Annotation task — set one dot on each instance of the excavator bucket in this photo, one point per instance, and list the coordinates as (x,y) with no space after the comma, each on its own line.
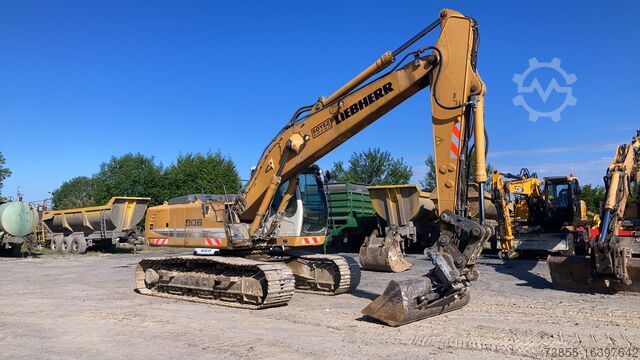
(406,301)
(633,268)
(573,273)
(383,254)
(570,273)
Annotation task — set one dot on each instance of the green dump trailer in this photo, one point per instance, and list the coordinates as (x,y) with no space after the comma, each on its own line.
(351,216)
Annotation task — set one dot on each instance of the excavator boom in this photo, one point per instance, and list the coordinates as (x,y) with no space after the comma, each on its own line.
(457,94)
(457,107)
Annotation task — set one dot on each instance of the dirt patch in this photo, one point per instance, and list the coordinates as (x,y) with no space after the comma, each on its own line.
(84,307)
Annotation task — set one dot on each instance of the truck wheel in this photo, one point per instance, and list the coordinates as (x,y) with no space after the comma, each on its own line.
(65,245)
(56,243)
(78,244)
(82,245)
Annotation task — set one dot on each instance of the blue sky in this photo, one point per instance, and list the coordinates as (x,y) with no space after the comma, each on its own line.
(81,81)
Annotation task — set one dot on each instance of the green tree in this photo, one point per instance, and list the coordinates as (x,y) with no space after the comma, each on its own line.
(75,193)
(210,173)
(128,175)
(373,167)
(429,181)
(4,173)
(634,197)
(593,196)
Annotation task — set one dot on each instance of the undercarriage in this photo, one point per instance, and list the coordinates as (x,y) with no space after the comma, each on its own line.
(258,281)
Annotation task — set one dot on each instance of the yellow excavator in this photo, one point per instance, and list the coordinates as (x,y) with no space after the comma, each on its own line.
(261,261)
(547,216)
(503,186)
(614,261)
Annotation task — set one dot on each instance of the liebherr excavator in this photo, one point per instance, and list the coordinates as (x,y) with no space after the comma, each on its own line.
(259,267)
(614,262)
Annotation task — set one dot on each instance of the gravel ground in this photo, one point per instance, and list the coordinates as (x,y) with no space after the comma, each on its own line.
(84,307)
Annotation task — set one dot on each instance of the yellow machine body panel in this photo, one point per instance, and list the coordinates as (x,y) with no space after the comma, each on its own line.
(184,225)
(187,225)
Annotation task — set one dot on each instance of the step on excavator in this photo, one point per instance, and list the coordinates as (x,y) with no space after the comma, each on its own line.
(262,259)
(535,215)
(614,261)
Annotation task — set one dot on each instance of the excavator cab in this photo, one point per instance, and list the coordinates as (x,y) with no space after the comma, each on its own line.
(307,212)
(563,206)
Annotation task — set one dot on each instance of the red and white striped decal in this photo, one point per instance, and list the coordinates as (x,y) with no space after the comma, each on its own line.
(214,242)
(311,240)
(159,242)
(455,140)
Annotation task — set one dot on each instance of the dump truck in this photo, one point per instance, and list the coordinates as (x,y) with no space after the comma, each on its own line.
(351,215)
(18,221)
(408,218)
(104,227)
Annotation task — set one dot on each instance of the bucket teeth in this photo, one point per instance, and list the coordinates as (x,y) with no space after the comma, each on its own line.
(405,301)
(383,254)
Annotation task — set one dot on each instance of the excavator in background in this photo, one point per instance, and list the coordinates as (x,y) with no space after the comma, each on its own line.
(534,217)
(503,186)
(259,264)
(614,261)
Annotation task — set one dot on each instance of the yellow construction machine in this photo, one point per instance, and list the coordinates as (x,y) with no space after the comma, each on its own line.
(614,261)
(260,265)
(538,216)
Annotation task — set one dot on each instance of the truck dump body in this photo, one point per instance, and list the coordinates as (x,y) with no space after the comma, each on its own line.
(115,221)
(410,216)
(413,211)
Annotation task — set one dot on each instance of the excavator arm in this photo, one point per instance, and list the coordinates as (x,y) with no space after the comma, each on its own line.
(457,107)
(252,222)
(503,185)
(457,97)
(614,263)
(611,255)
